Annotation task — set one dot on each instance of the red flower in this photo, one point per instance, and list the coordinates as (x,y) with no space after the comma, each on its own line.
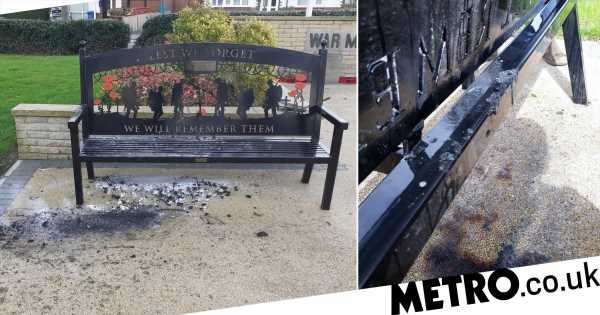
(107,86)
(300,77)
(300,85)
(97,101)
(293,93)
(108,78)
(113,95)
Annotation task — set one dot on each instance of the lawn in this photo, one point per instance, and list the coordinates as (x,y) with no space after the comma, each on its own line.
(34,79)
(589,18)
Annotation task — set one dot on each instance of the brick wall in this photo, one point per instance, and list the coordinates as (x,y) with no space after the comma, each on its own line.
(291,34)
(42,131)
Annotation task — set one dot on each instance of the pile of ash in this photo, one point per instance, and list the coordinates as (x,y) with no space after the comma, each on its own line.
(185,193)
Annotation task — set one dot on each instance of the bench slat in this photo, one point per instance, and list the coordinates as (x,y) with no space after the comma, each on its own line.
(184,148)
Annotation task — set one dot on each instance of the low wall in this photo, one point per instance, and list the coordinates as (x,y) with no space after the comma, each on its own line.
(136,22)
(42,132)
(296,32)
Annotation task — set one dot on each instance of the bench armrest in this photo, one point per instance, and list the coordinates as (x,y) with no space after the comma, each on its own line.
(330,116)
(75,119)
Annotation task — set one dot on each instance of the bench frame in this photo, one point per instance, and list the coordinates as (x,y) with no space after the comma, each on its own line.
(314,64)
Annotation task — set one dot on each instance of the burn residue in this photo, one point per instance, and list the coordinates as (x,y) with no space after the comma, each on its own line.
(449,256)
(108,221)
(505,174)
(127,206)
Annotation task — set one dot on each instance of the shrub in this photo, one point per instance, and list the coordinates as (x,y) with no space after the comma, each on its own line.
(104,35)
(155,29)
(59,38)
(215,25)
(201,25)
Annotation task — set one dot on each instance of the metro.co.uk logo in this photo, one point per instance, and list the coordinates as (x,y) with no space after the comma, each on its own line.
(502,284)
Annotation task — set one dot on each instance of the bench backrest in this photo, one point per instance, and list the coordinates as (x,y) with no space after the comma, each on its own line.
(413,55)
(202,89)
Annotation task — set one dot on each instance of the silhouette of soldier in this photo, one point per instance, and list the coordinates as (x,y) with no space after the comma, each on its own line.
(245,100)
(156,102)
(176,101)
(223,92)
(129,97)
(272,98)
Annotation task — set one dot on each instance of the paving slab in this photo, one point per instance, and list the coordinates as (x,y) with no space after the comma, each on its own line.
(268,240)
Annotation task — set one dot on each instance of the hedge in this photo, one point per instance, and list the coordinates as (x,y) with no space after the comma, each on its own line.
(61,38)
(155,29)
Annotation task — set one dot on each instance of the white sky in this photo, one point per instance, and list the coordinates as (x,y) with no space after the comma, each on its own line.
(10,6)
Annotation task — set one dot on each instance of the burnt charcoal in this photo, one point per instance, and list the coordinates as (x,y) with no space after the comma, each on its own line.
(262,234)
(182,194)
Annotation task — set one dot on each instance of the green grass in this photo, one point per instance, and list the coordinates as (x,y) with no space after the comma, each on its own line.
(588,12)
(34,79)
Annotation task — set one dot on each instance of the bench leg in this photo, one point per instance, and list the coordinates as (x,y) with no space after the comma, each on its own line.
(78,182)
(329,181)
(76,165)
(336,145)
(90,170)
(575,57)
(307,171)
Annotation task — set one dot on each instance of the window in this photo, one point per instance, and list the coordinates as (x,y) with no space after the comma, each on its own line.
(245,2)
(236,2)
(302,2)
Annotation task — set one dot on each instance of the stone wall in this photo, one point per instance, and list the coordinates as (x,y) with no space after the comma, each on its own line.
(42,131)
(292,34)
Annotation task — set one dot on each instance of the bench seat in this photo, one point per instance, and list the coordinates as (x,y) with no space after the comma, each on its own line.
(226,149)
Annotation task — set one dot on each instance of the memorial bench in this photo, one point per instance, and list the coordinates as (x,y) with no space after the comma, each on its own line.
(196,70)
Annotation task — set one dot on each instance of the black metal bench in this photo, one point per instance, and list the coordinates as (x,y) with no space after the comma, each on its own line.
(412,56)
(194,76)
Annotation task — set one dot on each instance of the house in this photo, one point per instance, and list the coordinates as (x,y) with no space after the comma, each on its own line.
(267,5)
(78,9)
